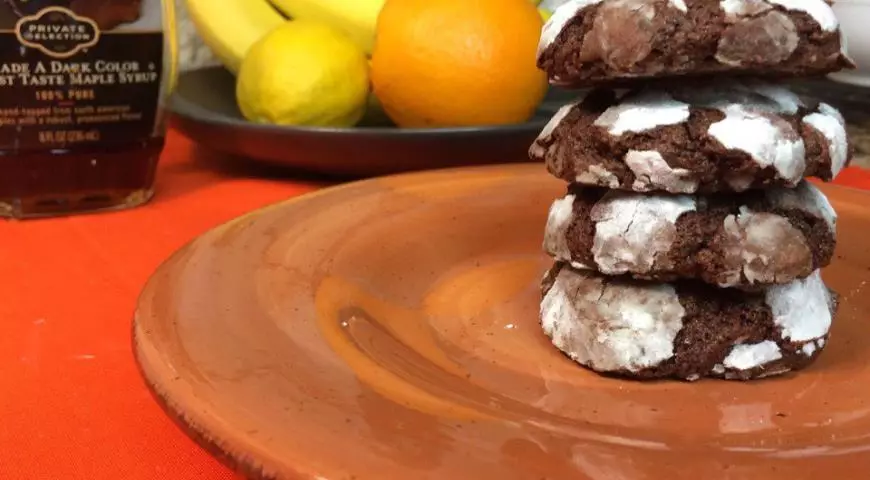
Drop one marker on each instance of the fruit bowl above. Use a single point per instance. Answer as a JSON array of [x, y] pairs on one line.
[[204, 109]]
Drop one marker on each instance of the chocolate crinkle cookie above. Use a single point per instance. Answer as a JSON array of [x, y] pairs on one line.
[[647, 330], [589, 42], [704, 136], [747, 241]]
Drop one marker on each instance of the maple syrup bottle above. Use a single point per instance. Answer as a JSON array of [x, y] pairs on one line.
[[83, 87]]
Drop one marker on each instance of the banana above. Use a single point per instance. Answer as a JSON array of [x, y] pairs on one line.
[[356, 18], [230, 27]]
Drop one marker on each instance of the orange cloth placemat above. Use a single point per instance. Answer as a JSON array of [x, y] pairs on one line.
[[72, 404]]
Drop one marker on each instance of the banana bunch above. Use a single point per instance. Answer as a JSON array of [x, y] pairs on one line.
[[356, 18], [230, 27]]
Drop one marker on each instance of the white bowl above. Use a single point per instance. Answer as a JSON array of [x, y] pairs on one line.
[[854, 17]]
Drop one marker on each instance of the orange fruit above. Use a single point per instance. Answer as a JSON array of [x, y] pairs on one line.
[[440, 63]]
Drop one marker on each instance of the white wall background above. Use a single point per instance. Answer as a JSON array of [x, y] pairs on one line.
[[192, 52]]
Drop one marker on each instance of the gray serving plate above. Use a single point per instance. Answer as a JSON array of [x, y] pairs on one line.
[[205, 110]]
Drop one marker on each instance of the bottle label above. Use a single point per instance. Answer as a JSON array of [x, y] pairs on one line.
[[80, 72]]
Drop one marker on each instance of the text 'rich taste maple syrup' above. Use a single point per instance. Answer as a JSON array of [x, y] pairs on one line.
[[83, 85]]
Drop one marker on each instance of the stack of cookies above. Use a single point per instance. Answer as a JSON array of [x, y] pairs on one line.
[[689, 243]]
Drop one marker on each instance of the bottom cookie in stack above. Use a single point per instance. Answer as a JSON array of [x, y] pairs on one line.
[[686, 330]]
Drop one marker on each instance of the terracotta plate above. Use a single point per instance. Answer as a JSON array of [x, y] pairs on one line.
[[389, 330]]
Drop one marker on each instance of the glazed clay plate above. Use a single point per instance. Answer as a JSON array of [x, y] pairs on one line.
[[388, 329]]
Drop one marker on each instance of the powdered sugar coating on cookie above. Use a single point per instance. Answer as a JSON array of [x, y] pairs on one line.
[[768, 136], [679, 5], [811, 347], [750, 124], [763, 248], [802, 308], [611, 326], [632, 230], [733, 242], [830, 123], [536, 149], [742, 8], [651, 330], [642, 112], [598, 175], [787, 101], [559, 19], [819, 10], [580, 266], [804, 197], [766, 247], [753, 95], [556, 233], [652, 172], [771, 36], [769, 142], [568, 10], [747, 356], [557, 119]]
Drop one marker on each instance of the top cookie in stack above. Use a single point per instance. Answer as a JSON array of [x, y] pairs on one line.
[[590, 42], [689, 243]]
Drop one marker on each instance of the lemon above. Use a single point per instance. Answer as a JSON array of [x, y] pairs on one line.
[[305, 74]]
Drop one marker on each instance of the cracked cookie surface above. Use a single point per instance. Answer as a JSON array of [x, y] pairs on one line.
[[745, 241], [714, 136], [588, 42], [648, 330]]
